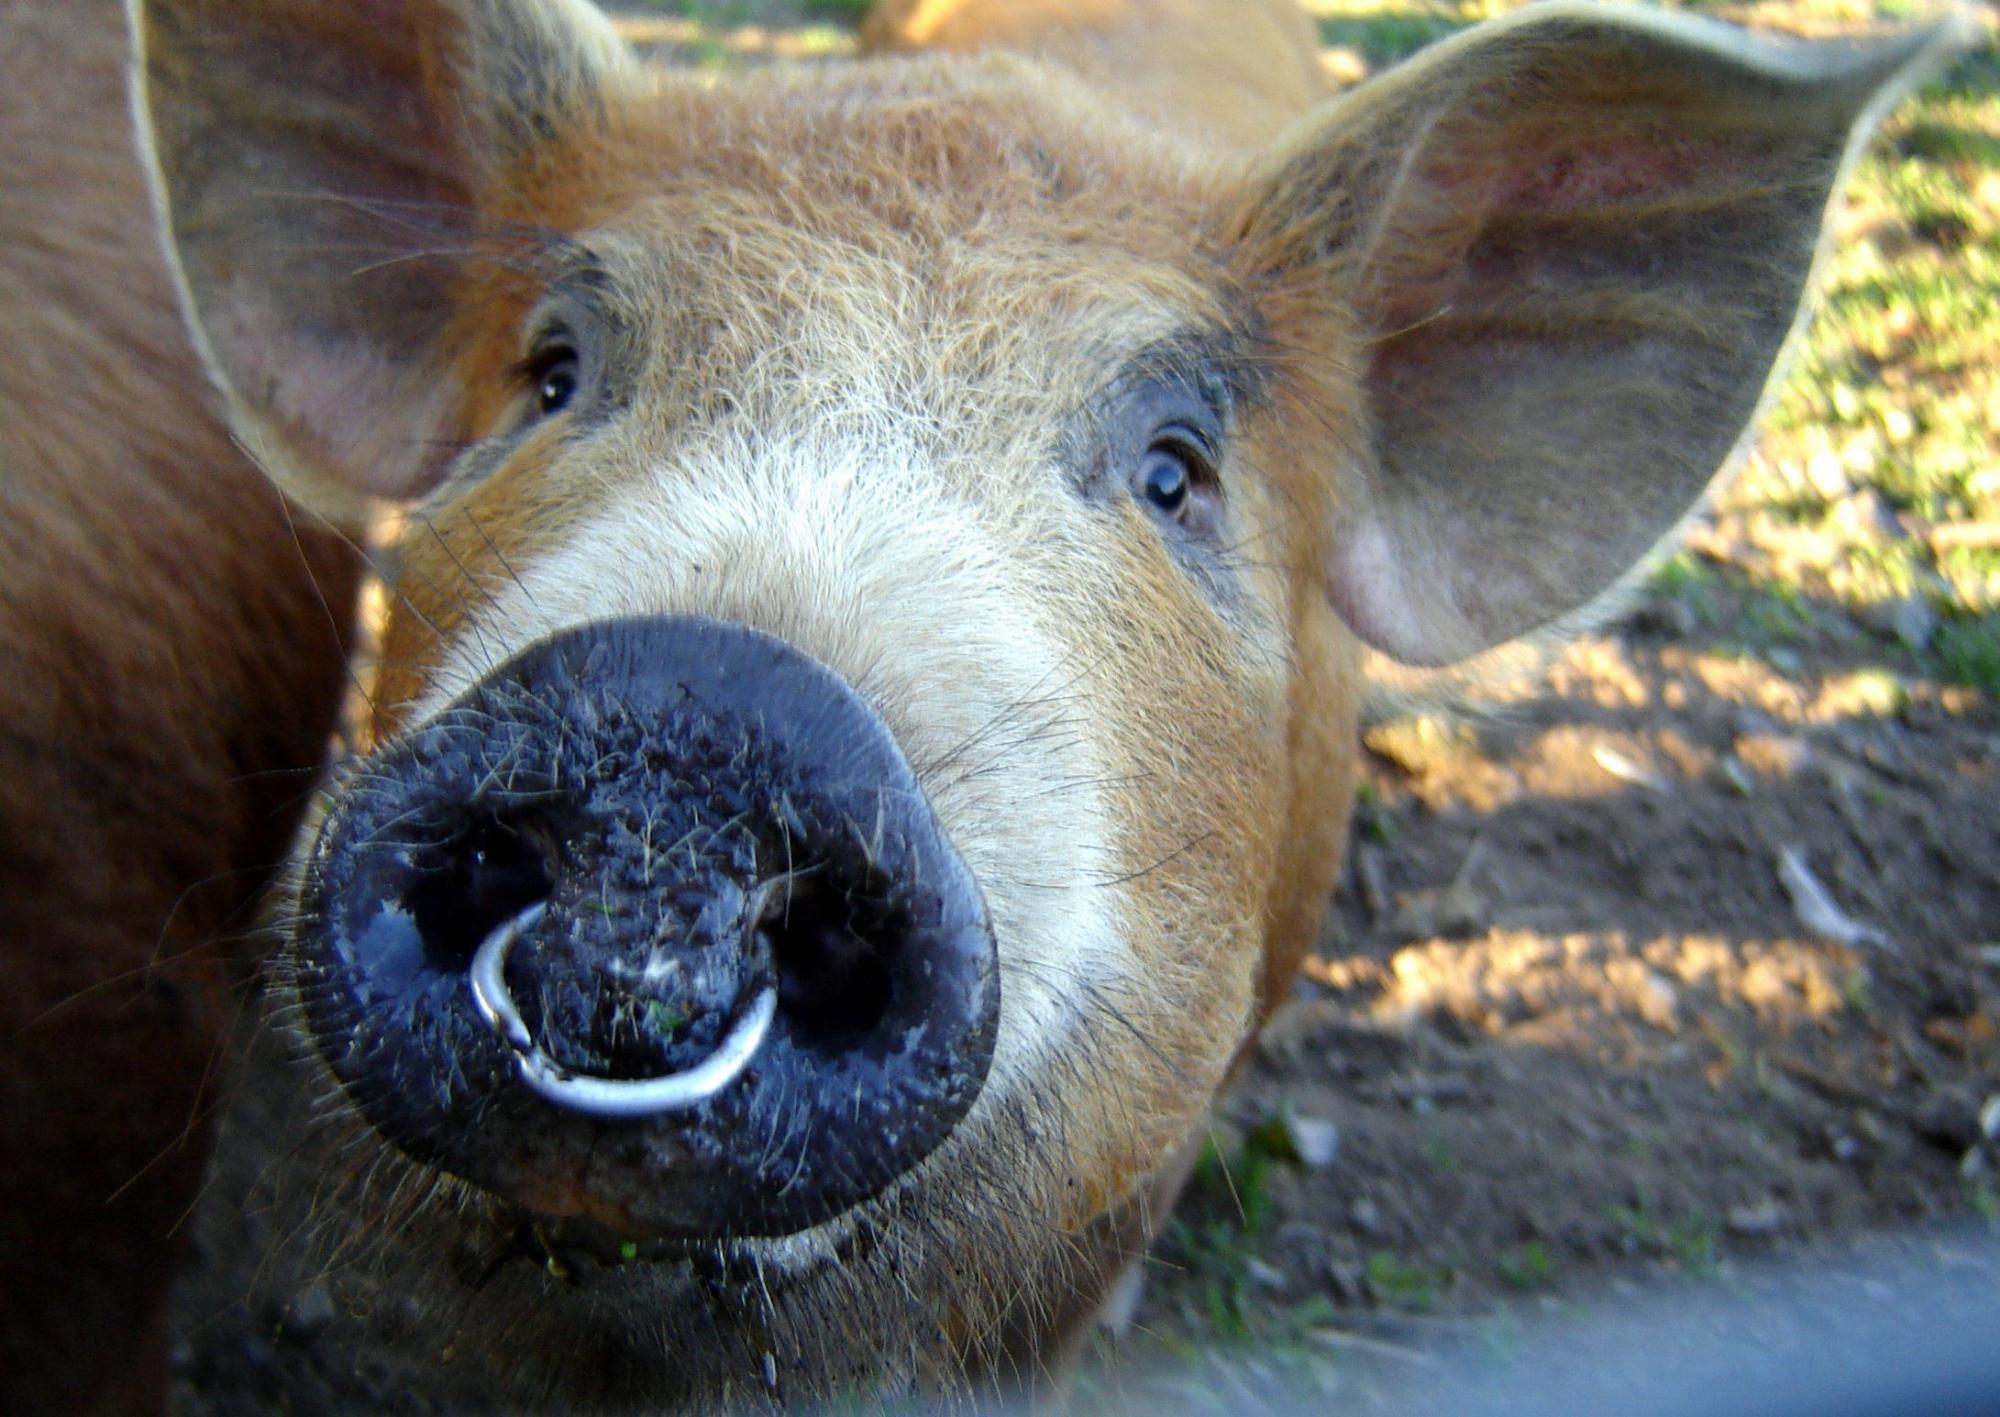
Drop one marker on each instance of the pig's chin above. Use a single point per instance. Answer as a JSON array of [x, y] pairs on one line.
[[890, 1295], [593, 1256]]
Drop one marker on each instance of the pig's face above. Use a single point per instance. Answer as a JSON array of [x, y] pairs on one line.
[[989, 481], [865, 726]]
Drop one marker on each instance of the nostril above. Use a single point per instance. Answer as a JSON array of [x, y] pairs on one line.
[[834, 952], [475, 880]]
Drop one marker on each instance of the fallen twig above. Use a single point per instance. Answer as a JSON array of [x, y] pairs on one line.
[[1625, 770], [1815, 906]]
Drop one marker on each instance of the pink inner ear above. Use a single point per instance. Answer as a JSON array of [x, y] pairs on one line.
[[1390, 591], [362, 418], [1577, 173]]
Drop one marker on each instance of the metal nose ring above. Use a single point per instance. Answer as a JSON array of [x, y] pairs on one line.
[[598, 1096]]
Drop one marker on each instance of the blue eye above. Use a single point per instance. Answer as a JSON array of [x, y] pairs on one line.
[[1168, 471], [1163, 478]]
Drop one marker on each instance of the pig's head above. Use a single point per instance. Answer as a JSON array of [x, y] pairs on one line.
[[866, 721]]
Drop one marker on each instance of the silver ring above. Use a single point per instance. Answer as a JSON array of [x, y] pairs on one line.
[[606, 1097]]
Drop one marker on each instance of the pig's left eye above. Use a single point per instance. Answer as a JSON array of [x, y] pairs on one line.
[[1166, 475], [1162, 435], [1176, 475], [553, 372]]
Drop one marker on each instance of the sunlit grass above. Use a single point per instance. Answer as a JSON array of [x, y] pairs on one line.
[[1894, 402], [1897, 391]]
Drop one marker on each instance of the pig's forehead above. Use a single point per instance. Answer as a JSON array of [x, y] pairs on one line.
[[937, 198], [911, 141]]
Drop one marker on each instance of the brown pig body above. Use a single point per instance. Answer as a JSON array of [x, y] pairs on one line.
[[866, 730], [172, 651]]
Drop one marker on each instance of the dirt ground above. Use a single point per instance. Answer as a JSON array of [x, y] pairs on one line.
[[1570, 1034], [1675, 957]]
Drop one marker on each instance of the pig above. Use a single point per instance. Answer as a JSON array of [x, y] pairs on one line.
[[867, 718], [174, 641]]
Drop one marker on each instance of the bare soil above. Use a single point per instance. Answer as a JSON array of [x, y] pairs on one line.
[[1575, 1034]]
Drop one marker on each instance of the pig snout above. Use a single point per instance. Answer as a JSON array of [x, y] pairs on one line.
[[653, 928]]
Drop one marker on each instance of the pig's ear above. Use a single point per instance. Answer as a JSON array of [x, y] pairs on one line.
[[317, 166], [1561, 253]]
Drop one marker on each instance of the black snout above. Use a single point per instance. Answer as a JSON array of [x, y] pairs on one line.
[[705, 815]]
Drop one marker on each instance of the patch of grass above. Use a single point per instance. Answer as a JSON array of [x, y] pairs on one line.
[[1372, 818], [1684, 576], [728, 35], [1412, 1286], [1238, 1179], [1896, 387], [1746, 614], [1856, 985], [1223, 1327], [717, 13], [1691, 1243], [1384, 34], [1526, 1266], [1220, 1223], [1929, 140], [1777, 616], [1224, 1332], [1982, 1193], [1967, 651], [1882, 573], [663, 1019], [1283, 1361], [1437, 1151]]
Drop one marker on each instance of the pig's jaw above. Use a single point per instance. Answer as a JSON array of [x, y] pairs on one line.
[[849, 1306]]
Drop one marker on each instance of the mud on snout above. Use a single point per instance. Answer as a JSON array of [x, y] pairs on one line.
[[652, 936]]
